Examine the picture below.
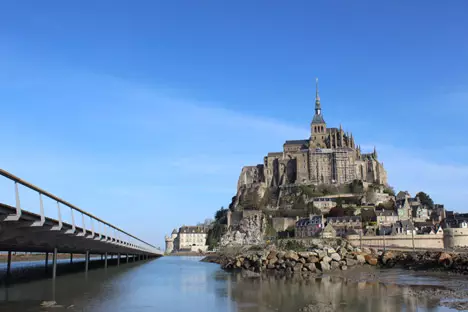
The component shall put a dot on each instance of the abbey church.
(328, 156)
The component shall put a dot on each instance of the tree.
(425, 199)
(220, 214)
(336, 212)
(389, 190)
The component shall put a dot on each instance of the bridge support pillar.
(127, 258)
(87, 261)
(105, 260)
(54, 264)
(46, 261)
(9, 263)
(118, 259)
(71, 258)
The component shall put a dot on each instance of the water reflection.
(181, 284)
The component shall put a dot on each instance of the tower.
(318, 127)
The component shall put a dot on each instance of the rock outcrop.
(250, 231)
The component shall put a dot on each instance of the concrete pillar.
(105, 260)
(87, 261)
(46, 261)
(54, 264)
(127, 258)
(118, 259)
(71, 258)
(9, 263)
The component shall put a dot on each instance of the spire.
(317, 96)
(318, 118)
(318, 108)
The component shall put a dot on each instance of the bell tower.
(318, 127)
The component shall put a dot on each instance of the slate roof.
(318, 119)
(296, 142)
(193, 229)
(307, 221)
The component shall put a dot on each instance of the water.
(185, 284)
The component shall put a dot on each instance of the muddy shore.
(358, 266)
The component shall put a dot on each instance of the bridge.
(25, 231)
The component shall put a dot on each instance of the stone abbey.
(328, 156)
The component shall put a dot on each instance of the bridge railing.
(100, 229)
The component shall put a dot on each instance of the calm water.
(185, 284)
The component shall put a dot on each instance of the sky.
(143, 113)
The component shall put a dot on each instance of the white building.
(188, 238)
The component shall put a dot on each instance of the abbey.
(328, 156)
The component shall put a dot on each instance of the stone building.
(329, 156)
(309, 227)
(188, 238)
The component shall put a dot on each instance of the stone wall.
(435, 241)
(281, 224)
(456, 237)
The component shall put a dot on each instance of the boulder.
(344, 267)
(324, 266)
(334, 265)
(270, 266)
(321, 254)
(280, 261)
(360, 259)
(327, 259)
(272, 255)
(290, 263)
(387, 258)
(304, 254)
(302, 260)
(273, 260)
(350, 262)
(313, 259)
(298, 267)
(310, 267)
(366, 250)
(372, 260)
(335, 256)
(291, 255)
(330, 251)
(280, 255)
(445, 259)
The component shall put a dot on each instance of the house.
(329, 231)
(403, 209)
(343, 224)
(386, 217)
(309, 227)
(405, 227)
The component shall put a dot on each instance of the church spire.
(318, 117)
(318, 109)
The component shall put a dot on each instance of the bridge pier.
(9, 263)
(118, 259)
(71, 258)
(105, 260)
(46, 261)
(87, 261)
(127, 258)
(54, 264)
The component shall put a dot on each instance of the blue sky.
(143, 113)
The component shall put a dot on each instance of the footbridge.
(65, 229)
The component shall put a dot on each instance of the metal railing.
(114, 237)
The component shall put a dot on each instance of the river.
(185, 284)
